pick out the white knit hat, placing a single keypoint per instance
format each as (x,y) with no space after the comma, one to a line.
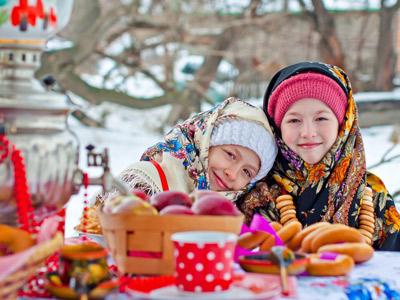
(250,135)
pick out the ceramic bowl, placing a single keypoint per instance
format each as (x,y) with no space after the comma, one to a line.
(261,263)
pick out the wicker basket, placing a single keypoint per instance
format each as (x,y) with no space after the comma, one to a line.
(126,233)
(10,285)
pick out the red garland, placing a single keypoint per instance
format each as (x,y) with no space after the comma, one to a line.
(85,183)
(26,216)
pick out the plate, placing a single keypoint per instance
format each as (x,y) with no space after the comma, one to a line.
(245,286)
(95,237)
(261,263)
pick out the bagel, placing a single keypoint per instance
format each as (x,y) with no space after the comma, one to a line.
(289,230)
(359,252)
(367,213)
(318,266)
(286,218)
(367,218)
(284,203)
(367,208)
(336,235)
(366,233)
(367,240)
(367,228)
(251,240)
(306,243)
(286,208)
(367,201)
(367,223)
(268,243)
(14,239)
(283,198)
(295,242)
(291,212)
(276,225)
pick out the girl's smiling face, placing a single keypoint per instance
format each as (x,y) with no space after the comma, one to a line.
(231,167)
(309,128)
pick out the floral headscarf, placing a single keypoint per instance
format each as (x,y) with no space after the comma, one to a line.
(189,141)
(330,190)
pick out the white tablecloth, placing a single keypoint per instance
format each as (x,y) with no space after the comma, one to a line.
(384,266)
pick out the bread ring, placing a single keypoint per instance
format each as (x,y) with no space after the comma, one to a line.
(289,230)
(284,203)
(286,208)
(14,239)
(341,265)
(367,213)
(295,242)
(359,252)
(367,223)
(336,235)
(367,201)
(367,218)
(276,225)
(367,228)
(367,208)
(288,212)
(366,233)
(367,191)
(367,240)
(283,198)
(307,240)
(251,240)
(291,220)
(268,243)
(286,218)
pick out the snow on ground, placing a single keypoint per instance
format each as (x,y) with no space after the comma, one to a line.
(129,132)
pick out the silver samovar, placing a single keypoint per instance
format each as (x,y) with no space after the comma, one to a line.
(32,118)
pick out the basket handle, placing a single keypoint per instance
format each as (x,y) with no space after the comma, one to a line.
(163,178)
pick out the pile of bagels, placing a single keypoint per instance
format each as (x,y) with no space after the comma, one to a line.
(333,249)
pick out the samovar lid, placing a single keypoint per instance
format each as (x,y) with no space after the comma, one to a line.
(24,29)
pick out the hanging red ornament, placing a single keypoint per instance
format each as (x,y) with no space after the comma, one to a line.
(25,212)
(85,183)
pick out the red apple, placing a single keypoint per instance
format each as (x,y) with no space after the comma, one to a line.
(176,209)
(215,205)
(131,204)
(141,194)
(197,194)
(164,199)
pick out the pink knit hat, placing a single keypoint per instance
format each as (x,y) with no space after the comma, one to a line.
(307,85)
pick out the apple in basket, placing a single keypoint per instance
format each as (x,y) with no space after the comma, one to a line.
(176,209)
(214,204)
(141,194)
(163,199)
(132,203)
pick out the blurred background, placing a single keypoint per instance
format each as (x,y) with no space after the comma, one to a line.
(134,68)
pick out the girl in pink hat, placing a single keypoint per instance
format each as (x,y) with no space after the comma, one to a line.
(321,158)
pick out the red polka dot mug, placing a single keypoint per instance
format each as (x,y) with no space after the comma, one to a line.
(203,260)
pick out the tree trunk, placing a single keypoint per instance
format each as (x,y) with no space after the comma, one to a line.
(331,51)
(197,89)
(384,69)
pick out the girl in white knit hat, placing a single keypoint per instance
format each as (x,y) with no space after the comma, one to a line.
(225,149)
